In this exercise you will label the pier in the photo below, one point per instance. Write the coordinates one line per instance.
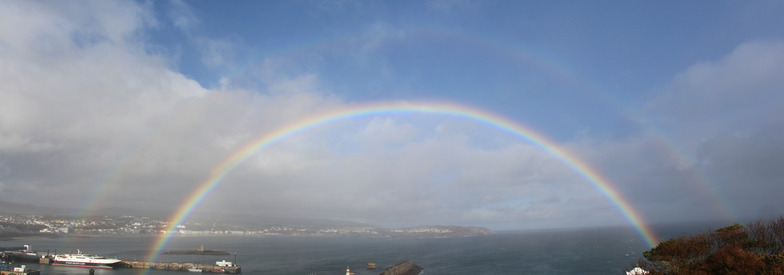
(219, 267)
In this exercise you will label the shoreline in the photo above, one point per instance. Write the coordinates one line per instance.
(17, 236)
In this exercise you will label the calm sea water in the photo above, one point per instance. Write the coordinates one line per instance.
(587, 251)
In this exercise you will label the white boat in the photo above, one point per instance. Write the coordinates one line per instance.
(84, 260)
(195, 269)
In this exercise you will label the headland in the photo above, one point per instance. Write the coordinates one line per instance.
(200, 251)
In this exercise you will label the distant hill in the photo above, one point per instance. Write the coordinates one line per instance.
(15, 208)
(117, 221)
(439, 231)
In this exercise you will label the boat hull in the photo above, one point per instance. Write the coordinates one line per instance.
(85, 265)
(84, 260)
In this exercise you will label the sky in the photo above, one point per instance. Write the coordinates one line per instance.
(130, 105)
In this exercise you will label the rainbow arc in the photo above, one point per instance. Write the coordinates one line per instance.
(588, 173)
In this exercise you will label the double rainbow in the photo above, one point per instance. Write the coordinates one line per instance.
(390, 108)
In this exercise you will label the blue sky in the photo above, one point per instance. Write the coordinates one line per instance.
(521, 59)
(678, 104)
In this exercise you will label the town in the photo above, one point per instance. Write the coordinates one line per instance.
(139, 225)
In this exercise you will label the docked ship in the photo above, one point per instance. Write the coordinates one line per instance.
(20, 254)
(84, 260)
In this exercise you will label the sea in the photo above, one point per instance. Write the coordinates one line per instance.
(610, 250)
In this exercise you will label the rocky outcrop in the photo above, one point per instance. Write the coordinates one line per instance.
(403, 268)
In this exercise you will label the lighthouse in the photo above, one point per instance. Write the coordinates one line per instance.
(348, 272)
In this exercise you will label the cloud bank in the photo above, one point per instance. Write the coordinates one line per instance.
(93, 117)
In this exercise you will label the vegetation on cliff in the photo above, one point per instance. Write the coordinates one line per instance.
(757, 248)
(403, 268)
(7, 227)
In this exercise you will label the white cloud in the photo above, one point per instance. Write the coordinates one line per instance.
(728, 96)
(182, 16)
(439, 178)
(105, 115)
(78, 91)
(387, 131)
(714, 123)
(37, 27)
(214, 52)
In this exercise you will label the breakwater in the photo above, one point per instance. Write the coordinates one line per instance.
(226, 268)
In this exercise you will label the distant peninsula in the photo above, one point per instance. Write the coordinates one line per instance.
(438, 231)
(200, 251)
(13, 226)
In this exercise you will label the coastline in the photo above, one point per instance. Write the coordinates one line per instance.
(17, 236)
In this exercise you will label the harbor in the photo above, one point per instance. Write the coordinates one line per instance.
(23, 254)
(257, 255)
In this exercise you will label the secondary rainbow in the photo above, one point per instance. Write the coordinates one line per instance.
(390, 108)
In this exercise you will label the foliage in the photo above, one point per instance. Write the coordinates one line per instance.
(757, 248)
(20, 227)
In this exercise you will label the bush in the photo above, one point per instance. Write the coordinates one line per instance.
(757, 248)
